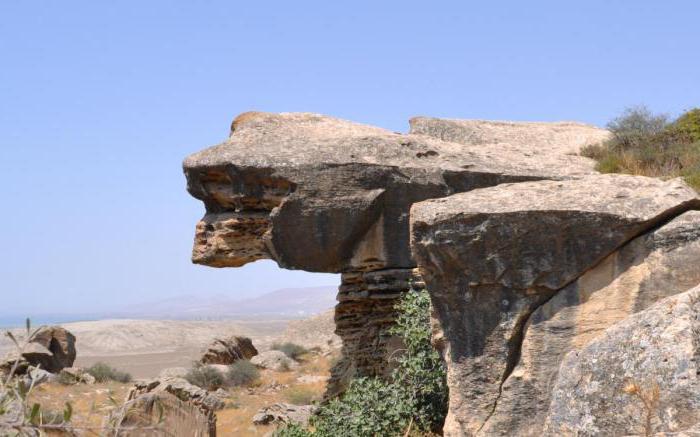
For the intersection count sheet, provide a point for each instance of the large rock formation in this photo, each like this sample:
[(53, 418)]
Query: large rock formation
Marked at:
[(645, 371), (51, 348), (519, 274), (229, 350), (325, 195)]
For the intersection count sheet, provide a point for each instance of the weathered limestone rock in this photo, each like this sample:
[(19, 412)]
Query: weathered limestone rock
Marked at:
[(161, 413), (52, 348), (641, 377), (76, 375), (284, 413), (229, 350), (274, 360), (491, 257), (660, 263), (562, 138), (180, 388), (326, 195)]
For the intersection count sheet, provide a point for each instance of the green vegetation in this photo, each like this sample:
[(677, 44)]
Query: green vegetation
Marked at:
[(648, 144), (293, 351), (242, 373), (103, 373), (206, 377), (414, 400)]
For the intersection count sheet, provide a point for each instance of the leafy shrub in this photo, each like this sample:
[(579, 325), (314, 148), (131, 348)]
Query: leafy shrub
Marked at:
[(293, 351), (205, 377), (416, 394), (103, 373), (299, 395), (242, 373), (646, 144)]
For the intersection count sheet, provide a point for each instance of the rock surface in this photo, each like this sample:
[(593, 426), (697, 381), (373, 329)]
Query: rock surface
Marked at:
[(641, 377), (326, 195), (52, 348), (229, 350), (284, 413), (182, 389), (562, 138), (531, 239), (660, 263), (75, 375), (274, 360)]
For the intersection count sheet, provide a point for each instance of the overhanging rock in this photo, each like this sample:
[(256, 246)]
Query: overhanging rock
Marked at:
[(326, 195)]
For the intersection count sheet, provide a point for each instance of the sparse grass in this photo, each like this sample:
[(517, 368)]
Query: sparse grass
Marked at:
[(300, 395), (205, 377), (649, 145), (292, 350), (242, 373), (103, 372)]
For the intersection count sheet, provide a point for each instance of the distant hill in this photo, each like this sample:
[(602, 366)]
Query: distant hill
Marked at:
[(287, 303)]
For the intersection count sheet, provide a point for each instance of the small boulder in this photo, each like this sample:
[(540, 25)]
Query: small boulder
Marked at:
[(284, 413), (229, 350), (182, 389), (51, 349), (75, 375), (274, 360)]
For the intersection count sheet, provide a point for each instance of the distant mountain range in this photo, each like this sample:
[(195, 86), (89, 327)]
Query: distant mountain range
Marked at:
[(286, 303)]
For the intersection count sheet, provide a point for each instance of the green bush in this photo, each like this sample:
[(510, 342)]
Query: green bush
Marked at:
[(242, 373), (646, 144), (205, 377), (293, 351), (416, 394), (103, 372)]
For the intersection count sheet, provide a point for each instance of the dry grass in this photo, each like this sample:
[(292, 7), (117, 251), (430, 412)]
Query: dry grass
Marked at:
[(91, 403)]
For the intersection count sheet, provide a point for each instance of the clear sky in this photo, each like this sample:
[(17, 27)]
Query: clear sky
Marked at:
[(100, 102)]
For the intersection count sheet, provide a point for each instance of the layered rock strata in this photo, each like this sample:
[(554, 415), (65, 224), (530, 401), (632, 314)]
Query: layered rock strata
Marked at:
[(520, 274), (326, 195)]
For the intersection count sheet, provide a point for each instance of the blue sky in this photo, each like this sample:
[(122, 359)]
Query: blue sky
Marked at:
[(101, 101)]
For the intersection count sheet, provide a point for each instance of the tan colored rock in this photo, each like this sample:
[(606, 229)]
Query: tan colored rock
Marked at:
[(52, 348), (284, 413), (537, 138), (642, 377), (229, 350), (658, 264), (274, 360), (75, 375), (531, 240)]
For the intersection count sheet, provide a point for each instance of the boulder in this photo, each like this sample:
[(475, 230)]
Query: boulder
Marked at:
[(284, 413), (642, 377), (75, 375), (274, 360), (162, 413), (52, 348), (229, 350), (180, 388), (531, 240)]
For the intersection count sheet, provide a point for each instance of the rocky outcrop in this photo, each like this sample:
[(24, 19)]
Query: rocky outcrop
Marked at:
[(519, 274), (229, 350), (180, 388), (326, 195), (51, 348), (274, 360), (642, 377), (284, 413)]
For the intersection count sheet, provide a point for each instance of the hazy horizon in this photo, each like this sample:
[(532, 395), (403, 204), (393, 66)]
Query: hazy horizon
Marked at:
[(102, 101)]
